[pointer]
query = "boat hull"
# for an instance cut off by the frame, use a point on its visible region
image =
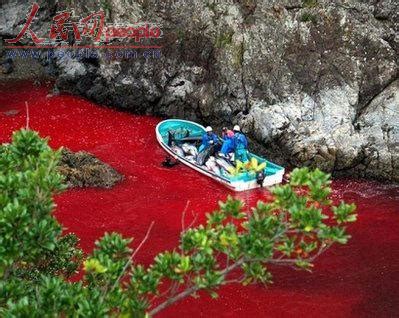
(239, 185)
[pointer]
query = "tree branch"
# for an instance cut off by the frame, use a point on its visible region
(184, 216)
(143, 241)
(133, 255)
(27, 115)
(191, 290)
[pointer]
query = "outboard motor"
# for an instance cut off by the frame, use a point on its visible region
(260, 176)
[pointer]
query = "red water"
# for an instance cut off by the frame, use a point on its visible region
(356, 280)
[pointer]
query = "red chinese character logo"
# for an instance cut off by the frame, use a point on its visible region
(94, 25)
(59, 29)
(26, 28)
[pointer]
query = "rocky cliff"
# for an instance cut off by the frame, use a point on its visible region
(311, 82)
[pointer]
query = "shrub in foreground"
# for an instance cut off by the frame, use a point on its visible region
(233, 246)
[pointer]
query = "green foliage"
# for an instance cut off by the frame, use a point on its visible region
(238, 55)
(310, 3)
(211, 5)
(180, 34)
(308, 17)
(31, 244)
(224, 38)
(106, 6)
(30, 237)
(293, 229)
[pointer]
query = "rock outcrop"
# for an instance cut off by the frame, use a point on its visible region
(312, 82)
(82, 169)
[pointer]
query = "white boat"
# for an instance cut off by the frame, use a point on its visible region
(174, 132)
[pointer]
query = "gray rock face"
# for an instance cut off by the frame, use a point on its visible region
(14, 12)
(311, 82)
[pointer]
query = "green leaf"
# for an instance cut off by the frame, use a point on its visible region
(93, 265)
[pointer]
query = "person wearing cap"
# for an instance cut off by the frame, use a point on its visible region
(208, 139)
(228, 143)
(240, 145)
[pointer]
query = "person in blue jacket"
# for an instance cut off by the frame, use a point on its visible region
(208, 139)
(240, 145)
(228, 143)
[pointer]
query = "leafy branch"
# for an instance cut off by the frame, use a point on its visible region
(234, 245)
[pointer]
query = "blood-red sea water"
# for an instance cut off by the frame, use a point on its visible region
(360, 279)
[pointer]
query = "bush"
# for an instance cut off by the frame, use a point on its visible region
(297, 226)
(308, 17)
(309, 3)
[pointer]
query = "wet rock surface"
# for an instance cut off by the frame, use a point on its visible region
(82, 169)
(310, 82)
